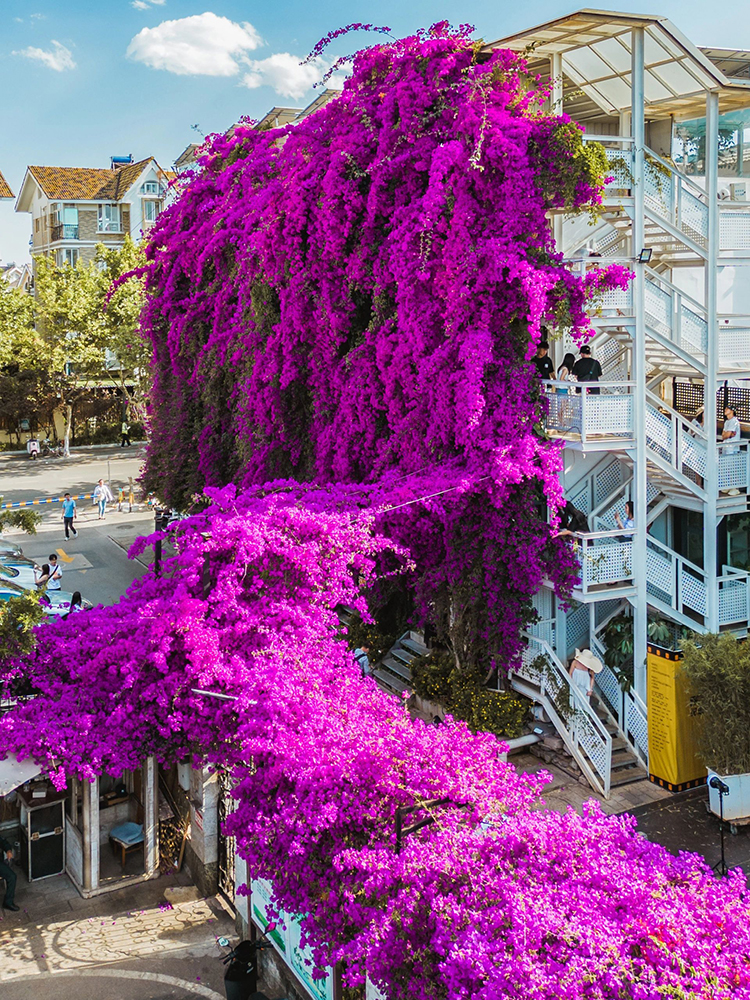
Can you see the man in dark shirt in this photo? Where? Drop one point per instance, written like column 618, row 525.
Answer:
column 8, row 874
column 543, row 362
column 587, row 369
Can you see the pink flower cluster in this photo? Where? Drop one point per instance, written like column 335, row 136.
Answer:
column 357, row 296
column 493, row 899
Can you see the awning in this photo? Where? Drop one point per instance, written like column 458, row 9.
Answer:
column 14, row 773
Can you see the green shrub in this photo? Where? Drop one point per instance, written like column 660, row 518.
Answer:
column 361, row 633
column 431, row 676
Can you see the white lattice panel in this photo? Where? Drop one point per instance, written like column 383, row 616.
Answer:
column 658, row 308
column 620, row 168
column 608, row 416
column 564, row 411
column 591, row 742
column 636, row 724
column 607, row 481
column 734, row 229
column 610, row 688
column 693, row 331
column 652, row 492
column 580, row 497
column 693, row 453
column 734, row 346
column 733, row 472
column 609, row 562
column 693, row 591
column 603, row 609
column 616, row 300
column 543, row 603
column 658, row 191
column 693, row 217
column 660, row 574
column 659, row 432
column 577, row 628
column 733, row 601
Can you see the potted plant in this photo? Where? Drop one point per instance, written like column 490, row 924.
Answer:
column 717, row 668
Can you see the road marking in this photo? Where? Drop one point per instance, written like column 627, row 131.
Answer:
column 64, row 556
column 198, row 989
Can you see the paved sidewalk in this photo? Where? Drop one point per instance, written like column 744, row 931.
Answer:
column 146, row 942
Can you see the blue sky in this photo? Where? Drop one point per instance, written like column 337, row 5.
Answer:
column 86, row 79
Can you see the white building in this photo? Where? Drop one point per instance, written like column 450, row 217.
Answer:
column 75, row 208
column 675, row 122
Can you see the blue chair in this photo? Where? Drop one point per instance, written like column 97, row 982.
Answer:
column 126, row 836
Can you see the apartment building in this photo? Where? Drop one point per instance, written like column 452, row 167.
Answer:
column 75, row 208
column 675, row 351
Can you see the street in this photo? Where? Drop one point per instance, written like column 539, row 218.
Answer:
column 96, row 562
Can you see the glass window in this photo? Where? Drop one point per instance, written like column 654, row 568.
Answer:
column 150, row 210
column 68, row 256
column 738, row 541
column 109, row 219
column 151, row 187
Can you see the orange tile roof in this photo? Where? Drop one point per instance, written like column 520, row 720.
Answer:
column 5, row 191
column 88, row 183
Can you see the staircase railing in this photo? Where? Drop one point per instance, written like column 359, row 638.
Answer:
column 626, row 706
column 542, row 677
column 595, row 411
column 676, row 315
column 675, row 198
column 680, row 585
column 673, row 440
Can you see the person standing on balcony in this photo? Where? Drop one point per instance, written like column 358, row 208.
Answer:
column 544, row 367
column 583, row 670
column 587, row 369
column 732, row 431
column 628, row 522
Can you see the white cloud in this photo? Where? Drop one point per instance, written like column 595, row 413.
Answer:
column 282, row 72
column 139, row 4
column 58, row 58
column 201, row 45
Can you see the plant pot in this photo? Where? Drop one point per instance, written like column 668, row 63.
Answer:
column 737, row 802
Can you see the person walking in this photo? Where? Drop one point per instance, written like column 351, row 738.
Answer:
column 69, row 515
column 7, row 873
column 102, row 496
column 55, row 573
column 587, row 369
column 583, row 670
column 124, row 434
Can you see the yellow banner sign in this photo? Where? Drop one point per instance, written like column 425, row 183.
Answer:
column 673, row 760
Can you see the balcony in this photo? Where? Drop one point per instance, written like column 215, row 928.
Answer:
column 606, row 563
column 599, row 415
column 64, row 231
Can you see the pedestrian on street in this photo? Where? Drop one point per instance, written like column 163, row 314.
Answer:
column 102, row 496
column 41, row 576
column 7, row 873
column 69, row 515
column 55, row 574
column 124, row 434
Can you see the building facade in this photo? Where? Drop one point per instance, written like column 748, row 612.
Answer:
column 675, row 351
column 73, row 209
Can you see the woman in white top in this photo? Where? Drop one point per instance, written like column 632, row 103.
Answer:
column 732, row 431
column 583, row 668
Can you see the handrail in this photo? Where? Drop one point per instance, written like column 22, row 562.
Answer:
column 677, row 557
column 603, row 139
column 698, row 190
column 654, row 276
column 609, row 500
column 587, row 385
column 660, row 404
column 611, row 533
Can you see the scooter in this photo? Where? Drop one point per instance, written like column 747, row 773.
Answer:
column 241, row 977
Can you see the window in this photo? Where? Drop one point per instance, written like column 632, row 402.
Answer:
column 67, row 256
column 150, row 210
column 109, row 219
column 36, row 225
column 152, row 187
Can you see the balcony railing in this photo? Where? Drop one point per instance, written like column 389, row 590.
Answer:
column 590, row 411
column 64, row 231
column 605, row 558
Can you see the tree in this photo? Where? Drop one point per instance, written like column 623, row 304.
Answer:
column 87, row 316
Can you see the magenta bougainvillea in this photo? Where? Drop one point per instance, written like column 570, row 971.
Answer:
column 494, row 900
column 355, row 298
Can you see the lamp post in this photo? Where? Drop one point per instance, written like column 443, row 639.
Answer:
column 722, row 788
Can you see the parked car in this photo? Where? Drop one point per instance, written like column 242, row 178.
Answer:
column 9, row 548
column 19, row 570
column 55, row 603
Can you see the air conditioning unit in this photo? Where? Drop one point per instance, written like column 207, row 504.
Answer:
column 738, row 191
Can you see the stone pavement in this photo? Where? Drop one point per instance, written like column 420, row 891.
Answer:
column 146, row 942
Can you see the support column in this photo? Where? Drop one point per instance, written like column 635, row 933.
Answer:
column 150, row 779
column 640, row 610
column 556, row 98
column 711, row 479
column 90, row 832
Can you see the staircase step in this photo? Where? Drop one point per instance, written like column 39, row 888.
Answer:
column 404, row 655
column 389, row 682
column 627, row 777
column 416, row 647
column 396, row 667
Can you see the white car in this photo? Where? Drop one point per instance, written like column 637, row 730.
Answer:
column 55, row 603
column 8, row 548
column 18, row 570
